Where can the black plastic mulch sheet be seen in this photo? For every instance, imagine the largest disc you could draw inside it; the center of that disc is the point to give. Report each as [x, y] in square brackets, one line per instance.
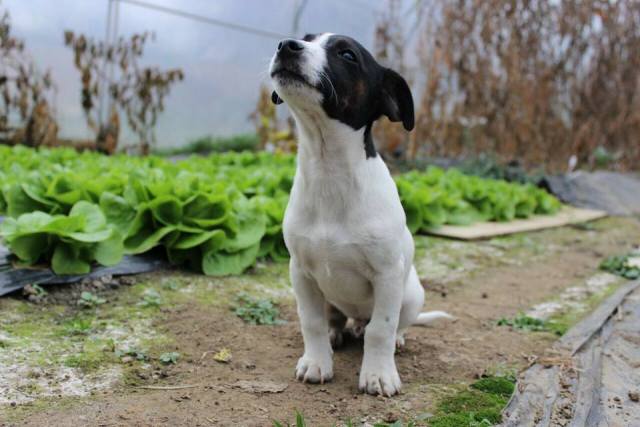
[13, 279]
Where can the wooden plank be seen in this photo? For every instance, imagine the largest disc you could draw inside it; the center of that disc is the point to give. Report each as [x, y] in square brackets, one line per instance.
[484, 230]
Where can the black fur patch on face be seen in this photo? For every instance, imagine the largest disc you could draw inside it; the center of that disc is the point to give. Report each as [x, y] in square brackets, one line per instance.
[360, 90]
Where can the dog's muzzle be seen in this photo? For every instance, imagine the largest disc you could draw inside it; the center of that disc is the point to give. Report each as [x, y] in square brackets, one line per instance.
[289, 49]
[287, 63]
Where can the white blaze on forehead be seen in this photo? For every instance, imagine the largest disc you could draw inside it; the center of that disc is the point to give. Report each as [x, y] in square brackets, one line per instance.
[316, 57]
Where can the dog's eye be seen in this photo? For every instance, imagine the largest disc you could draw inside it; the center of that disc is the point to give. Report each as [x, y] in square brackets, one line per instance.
[348, 55]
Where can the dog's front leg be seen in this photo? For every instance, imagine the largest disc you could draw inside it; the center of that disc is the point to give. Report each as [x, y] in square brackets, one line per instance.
[316, 365]
[378, 374]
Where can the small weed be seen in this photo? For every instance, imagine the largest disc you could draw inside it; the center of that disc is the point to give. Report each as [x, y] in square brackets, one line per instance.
[78, 326]
[151, 299]
[132, 353]
[82, 361]
[603, 157]
[627, 266]
[171, 285]
[257, 311]
[40, 291]
[169, 358]
[89, 300]
[531, 324]
[300, 422]
[584, 226]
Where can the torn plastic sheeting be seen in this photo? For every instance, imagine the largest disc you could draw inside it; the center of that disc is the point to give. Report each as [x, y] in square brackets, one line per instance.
[613, 192]
[591, 377]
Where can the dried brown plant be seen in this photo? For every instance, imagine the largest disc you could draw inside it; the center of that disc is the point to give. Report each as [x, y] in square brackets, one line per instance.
[534, 81]
[25, 92]
[271, 132]
[139, 92]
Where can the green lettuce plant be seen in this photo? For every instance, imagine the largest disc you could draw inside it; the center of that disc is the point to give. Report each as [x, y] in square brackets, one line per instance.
[214, 214]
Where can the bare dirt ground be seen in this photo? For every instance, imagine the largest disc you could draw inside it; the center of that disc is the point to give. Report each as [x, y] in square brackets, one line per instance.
[479, 283]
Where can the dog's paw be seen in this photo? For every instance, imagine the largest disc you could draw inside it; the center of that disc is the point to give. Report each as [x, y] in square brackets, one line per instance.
[381, 381]
[336, 336]
[311, 370]
[357, 328]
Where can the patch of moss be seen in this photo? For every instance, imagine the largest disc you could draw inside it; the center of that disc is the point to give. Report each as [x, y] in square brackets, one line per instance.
[95, 354]
[495, 385]
[458, 420]
[25, 329]
[77, 326]
[479, 405]
[561, 322]
[48, 337]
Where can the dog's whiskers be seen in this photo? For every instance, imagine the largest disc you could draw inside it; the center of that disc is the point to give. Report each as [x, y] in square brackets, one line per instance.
[263, 75]
[323, 77]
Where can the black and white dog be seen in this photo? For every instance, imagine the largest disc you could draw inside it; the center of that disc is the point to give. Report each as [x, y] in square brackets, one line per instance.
[351, 251]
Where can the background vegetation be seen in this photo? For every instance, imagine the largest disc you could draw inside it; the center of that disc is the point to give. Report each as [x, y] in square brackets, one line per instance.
[536, 81]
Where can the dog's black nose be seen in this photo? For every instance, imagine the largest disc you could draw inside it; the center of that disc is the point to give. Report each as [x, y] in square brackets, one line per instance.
[289, 48]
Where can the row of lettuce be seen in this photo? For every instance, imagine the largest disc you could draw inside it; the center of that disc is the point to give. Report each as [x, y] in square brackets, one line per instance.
[215, 214]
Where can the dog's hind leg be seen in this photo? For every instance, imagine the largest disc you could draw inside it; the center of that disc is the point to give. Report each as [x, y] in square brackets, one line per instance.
[337, 321]
[412, 303]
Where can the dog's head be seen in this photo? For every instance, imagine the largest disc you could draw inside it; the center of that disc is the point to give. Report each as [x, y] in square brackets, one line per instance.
[340, 75]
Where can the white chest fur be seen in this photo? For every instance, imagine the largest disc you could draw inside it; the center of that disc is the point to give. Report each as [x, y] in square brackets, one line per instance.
[344, 222]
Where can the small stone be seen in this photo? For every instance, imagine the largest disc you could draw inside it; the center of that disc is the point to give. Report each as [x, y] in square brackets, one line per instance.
[34, 299]
[390, 417]
[485, 295]
[128, 281]
[634, 396]
[223, 356]
[29, 290]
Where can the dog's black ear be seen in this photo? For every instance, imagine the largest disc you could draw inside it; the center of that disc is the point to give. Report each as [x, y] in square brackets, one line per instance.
[397, 102]
[275, 98]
